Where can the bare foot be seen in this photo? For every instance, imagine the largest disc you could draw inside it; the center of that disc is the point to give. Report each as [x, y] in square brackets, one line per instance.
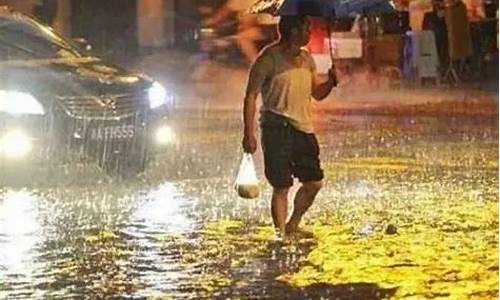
[295, 233]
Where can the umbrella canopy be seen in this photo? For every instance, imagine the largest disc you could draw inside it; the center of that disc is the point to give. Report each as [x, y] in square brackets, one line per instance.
[266, 7]
[316, 8]
[352, 8]
[322, 8]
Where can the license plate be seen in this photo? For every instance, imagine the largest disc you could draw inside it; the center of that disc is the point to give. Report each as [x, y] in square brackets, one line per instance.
[118, 132]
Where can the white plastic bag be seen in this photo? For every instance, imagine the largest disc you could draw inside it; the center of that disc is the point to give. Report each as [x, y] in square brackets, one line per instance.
[247, 184]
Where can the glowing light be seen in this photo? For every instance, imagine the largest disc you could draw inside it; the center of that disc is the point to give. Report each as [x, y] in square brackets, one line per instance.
[165, 135]
[15, 144]
[162, 211]
[13, 102]
[19, 227]
[157, 95]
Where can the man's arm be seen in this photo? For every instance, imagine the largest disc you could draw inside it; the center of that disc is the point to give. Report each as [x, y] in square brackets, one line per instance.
[321, 89]
[258, 73]
[249, 110]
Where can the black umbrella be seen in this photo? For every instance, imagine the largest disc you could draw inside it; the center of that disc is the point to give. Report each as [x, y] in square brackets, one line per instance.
[322, 8]
[316, 8]
[352, 8]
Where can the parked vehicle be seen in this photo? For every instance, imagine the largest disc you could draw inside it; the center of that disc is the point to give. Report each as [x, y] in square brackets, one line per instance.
[58, 103]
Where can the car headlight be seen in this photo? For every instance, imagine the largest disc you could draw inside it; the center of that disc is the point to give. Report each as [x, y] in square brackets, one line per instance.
[164, 135]
[158, 96]
[15, 144]
[13, 102]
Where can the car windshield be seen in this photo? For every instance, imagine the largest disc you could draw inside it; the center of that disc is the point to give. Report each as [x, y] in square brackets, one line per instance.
[22, 38]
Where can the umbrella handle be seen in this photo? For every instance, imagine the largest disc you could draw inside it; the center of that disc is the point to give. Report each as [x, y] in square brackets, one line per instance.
[329, 26]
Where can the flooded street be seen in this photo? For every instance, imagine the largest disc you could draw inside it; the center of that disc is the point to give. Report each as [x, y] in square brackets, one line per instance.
[121, 140]
[179, 231]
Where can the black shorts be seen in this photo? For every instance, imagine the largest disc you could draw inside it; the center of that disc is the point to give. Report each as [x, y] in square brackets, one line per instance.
[288, 152]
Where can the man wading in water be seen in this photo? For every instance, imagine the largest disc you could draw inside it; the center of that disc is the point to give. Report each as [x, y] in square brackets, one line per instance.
[285, 75]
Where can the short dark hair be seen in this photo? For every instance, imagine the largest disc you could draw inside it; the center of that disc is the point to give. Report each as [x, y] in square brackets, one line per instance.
[287, 23]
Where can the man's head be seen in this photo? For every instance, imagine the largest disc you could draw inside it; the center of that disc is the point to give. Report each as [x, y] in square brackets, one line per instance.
[295, 30]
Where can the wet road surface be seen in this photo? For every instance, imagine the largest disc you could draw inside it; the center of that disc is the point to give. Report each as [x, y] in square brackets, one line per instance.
[145, 238]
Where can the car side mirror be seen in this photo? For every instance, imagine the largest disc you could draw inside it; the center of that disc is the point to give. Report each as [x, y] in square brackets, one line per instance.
[83, 44]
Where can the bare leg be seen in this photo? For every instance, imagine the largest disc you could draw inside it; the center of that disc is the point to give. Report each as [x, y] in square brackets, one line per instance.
[279, 208]
[303, 200]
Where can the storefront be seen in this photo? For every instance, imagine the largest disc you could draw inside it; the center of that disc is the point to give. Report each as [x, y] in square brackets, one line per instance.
[422, 41]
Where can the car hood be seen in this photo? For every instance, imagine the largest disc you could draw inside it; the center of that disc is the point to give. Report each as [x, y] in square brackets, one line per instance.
[69, 78]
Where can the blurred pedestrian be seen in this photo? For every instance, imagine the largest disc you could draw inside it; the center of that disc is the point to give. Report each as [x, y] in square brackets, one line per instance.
[249, 31]
[435, 22]
[476, 14]
[285, 75]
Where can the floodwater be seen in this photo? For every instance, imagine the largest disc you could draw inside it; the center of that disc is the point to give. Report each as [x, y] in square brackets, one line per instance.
[142, 238]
